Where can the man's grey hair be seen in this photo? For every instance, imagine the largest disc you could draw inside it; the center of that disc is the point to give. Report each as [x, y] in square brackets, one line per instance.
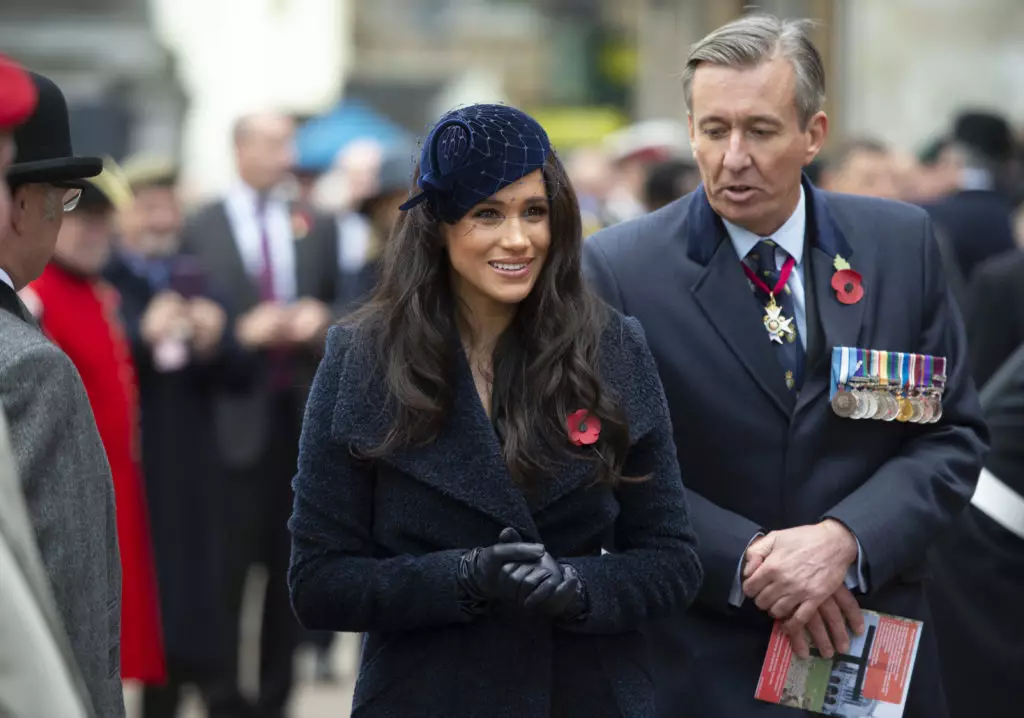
[755, 39]
[52, 203]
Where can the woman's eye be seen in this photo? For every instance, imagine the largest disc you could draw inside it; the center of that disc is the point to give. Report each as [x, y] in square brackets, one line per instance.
[537, 211]
[487, 215]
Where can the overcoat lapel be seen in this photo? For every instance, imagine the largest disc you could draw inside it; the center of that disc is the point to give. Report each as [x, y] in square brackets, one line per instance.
[465, 462]
[723, 293]
[725, 297]
[840, 323]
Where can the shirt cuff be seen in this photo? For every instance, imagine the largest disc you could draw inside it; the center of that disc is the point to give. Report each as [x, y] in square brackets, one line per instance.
[736, 594]
[855, 579]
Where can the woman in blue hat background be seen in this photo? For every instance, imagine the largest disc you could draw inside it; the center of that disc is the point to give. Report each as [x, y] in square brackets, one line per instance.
[488, 486]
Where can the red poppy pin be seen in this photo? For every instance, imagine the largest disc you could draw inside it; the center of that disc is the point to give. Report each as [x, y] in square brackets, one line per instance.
[584, 427]
[846, 282]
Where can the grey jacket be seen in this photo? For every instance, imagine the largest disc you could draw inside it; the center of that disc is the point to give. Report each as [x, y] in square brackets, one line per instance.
[69, 494]
[39, 677]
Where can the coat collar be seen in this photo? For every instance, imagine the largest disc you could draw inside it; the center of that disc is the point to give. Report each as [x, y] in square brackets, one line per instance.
[724, 295]
[465, 461]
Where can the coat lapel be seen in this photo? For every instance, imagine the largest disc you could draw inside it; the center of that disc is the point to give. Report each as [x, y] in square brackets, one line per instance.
[840, 323]
[464, 462]
[724, 295]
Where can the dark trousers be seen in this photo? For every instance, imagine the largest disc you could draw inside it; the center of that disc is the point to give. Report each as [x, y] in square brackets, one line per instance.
[260, 505]
[165, 700]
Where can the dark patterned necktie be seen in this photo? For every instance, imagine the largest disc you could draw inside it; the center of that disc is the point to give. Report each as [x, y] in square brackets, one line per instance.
[762, 261]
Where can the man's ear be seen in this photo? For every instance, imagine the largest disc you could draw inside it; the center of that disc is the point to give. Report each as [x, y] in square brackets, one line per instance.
[21, 204]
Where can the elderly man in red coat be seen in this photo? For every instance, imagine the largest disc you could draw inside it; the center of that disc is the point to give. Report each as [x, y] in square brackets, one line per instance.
[79, 312]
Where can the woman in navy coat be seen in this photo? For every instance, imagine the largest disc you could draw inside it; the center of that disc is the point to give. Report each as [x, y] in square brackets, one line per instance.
[488, 486]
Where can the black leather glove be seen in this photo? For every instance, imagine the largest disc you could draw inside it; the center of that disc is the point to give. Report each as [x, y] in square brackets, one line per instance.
[480, 570]
[546, 588]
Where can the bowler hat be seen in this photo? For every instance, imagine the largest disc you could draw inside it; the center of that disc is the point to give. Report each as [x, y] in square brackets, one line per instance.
[43, 142]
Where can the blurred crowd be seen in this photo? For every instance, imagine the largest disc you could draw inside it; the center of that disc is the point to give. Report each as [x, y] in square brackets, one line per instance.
[197, 329]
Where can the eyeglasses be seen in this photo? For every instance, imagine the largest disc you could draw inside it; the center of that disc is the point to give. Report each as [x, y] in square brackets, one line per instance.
[71, 197]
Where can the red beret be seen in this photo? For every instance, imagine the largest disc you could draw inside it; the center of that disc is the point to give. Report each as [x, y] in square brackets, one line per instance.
[17, 94]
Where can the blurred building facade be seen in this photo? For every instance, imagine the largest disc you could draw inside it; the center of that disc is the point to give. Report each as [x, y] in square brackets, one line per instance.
[120, 81]
[897, 68]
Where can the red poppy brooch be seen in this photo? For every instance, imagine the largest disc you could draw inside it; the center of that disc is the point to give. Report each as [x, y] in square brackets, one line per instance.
[584, 427]
[846, 282]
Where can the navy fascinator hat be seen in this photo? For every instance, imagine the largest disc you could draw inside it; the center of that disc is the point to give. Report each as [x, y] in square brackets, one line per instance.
[474, 152]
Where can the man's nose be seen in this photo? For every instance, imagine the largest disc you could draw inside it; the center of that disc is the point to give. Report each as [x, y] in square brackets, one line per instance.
[736, 157]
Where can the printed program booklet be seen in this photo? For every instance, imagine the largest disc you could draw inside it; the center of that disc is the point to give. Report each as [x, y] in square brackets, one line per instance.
[871, 680]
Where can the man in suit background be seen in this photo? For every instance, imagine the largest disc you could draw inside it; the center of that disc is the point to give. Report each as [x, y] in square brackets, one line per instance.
[59, 457]
[274, 264]
[978, 217]
[802, 515]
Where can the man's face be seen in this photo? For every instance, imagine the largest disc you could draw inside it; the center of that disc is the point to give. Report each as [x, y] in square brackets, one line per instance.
[84, 241]
[152, 223]
[867, 172]
[6, 157]
[265, 151]
[37, 212]
[749, 144]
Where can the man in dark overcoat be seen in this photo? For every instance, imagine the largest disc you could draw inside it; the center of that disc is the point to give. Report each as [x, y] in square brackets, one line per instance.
[744, 287]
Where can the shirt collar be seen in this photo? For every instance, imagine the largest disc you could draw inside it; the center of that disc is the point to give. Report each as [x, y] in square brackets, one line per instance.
[6, 279]
[790, 235]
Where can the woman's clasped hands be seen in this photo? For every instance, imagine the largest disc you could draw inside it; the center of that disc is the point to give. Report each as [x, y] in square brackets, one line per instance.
[524, 575]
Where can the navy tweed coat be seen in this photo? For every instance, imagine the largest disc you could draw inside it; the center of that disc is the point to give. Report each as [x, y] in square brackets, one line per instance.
[376, 548]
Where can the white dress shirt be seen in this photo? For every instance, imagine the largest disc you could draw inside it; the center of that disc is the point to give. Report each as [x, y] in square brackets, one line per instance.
[789, 237]
[6, 279]
[241, 204]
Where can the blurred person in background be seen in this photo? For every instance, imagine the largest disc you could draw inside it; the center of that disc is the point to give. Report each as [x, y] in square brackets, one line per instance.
[977, 586]
[866, 167]
[633, 151]
[439, 421]
[79, 311]
[977, 216]
[939, 174]
[592, 175]
[59, 455]
[861, 166]
[183, 356]
[39, 677]
[275, 269]
[361, 244]
[668, 181]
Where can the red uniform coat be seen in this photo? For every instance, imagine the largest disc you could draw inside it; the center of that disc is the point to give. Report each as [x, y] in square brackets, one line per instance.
[80, 316]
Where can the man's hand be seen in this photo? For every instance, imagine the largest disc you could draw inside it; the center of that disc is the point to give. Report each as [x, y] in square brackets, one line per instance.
[790, 573]
[208, 321]
[827, 626]
[265, 325]
[166, 317]
[308, 321]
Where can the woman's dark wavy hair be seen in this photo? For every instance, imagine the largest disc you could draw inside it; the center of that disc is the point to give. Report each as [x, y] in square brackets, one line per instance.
[545, 363]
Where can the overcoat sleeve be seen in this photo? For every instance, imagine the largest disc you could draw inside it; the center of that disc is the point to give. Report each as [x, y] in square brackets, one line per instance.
[335, 581]
[653, 571]
[898, 513]
[724, 534]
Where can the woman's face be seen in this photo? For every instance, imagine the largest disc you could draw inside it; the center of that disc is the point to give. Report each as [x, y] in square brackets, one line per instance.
[498, 249]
